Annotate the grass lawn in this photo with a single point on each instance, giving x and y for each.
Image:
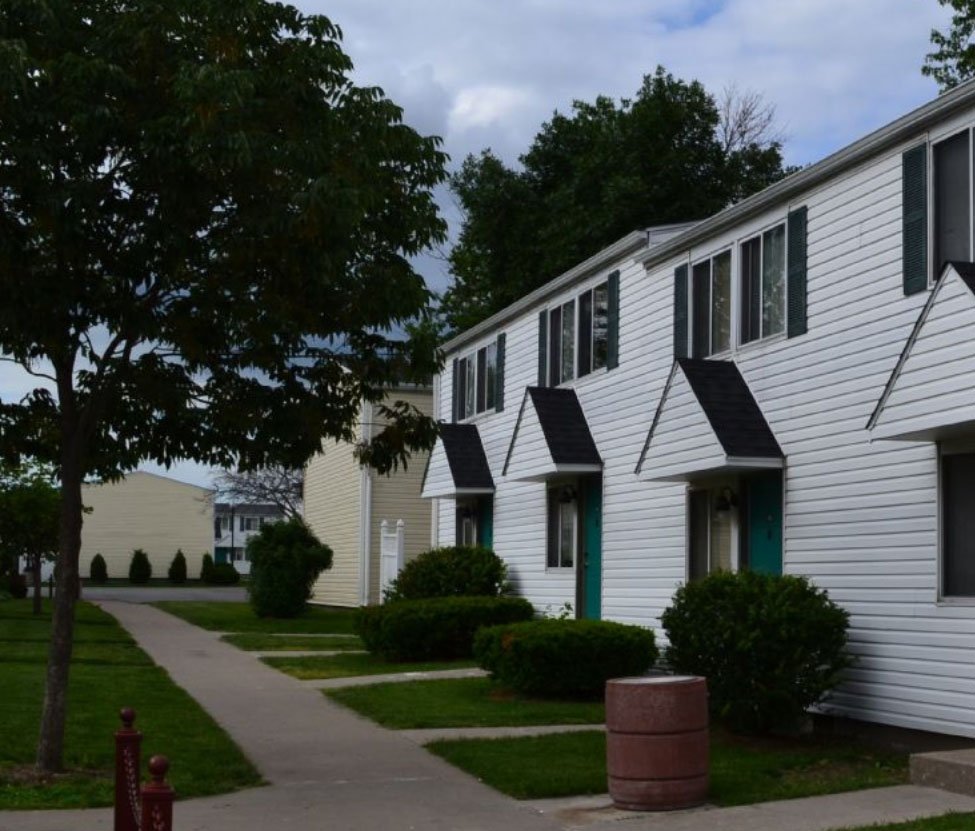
(345, 666)
(108, 672)
(947, 822)
(743, 770)
(461, 702)
(239, 617)
(260, 642)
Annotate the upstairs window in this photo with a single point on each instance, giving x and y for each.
(711, 305)
(479, 380)
(762, 271)
(593, 329)
(561, 347)
(952, 239)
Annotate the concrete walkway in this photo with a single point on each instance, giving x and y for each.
(330, 769)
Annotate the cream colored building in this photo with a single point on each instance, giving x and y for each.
(345, 505)
(147, 511)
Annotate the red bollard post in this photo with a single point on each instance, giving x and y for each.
(128, 743)
(157, 798)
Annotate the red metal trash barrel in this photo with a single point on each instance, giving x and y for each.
(657, 742)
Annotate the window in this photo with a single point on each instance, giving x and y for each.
(712, 532)
(952, 238)
(478, 379)
(563, 527)
(593, 329)
(711, 306)
(957, 524)
(224, 523)
(561, 348)
(762, 270)
(249, 523)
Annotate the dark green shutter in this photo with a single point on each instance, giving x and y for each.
(455, 393)
(796, 271)
(680, 311)
(915, 211)
(499, 375)
(613, 321)
(542, 346)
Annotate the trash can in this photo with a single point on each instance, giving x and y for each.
(657, 742)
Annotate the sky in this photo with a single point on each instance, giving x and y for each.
(485, 74)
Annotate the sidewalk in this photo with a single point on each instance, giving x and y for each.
(330, 769)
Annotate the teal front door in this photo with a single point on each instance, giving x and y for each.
(765, 522)
(592, 549)
(485, 522)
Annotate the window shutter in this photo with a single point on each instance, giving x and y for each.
(915, 218)
(499, 375)
(542, 346)
(613, 321)
(680, 311)
(796, 270)
(455, 393)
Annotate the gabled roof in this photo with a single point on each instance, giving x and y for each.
(707, 421)
(551, 437)
(457, 465)
(930, 393)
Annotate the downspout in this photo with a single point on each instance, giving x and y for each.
(365, 509)
(435, 503)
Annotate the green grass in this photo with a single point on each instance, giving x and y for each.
(348, 665)
(743, 771)
(460, 702)
(260, 642)
(108, 672)
(946, 822)
(239, 617)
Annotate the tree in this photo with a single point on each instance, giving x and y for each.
(593, 176)
(205, 235)
(29, 513)
(953, 59)
(278, 485)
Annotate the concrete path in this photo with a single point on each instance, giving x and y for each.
(152, 594)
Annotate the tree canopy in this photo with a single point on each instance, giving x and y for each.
(593, 176)
(205, 237)
(953, 58)
(277, 485)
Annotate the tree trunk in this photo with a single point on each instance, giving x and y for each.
(36, 571)
(50, 744)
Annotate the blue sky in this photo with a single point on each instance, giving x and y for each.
(487, 74)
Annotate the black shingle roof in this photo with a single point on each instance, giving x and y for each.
(966, 271)
(564, 426)
(465, 456)
(734, 414)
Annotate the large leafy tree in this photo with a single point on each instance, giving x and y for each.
(953, 58)
(276, 485)
(205, 232)
(591, 177)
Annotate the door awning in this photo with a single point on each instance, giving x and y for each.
(930, 394)
(551, 437)
(457, 465)
(707, 422)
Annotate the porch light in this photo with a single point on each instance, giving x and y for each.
(726, 501)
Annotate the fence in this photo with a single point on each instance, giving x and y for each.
(391, 549)
(139, 807)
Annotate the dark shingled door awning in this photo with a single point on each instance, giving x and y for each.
(457, 465)
(707, 422)
(551, 437)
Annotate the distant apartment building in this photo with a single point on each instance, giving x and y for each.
(234, 525)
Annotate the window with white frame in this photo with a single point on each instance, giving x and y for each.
(250, 523)
(561, 346)
(578, 332)
(712, 532)
(563, 527)
(762, 281)
(957, 523)
(711, 305)
(952, 200)
(477, 376)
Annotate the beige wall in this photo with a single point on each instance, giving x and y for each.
(154, 513)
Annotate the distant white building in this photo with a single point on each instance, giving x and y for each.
(234, 525)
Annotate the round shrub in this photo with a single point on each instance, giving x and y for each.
(286, 559)
(223, 574)
(770, 646)
(177, 568)
(140, 569)
(207, 569)
(16, 585)
(564, 658)
(456, 571)
(98, 571)
(438, 628)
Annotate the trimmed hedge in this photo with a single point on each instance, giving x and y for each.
(222, 574)
(98, 570)
(206, 569)
(438, 628)
(455, 571)
(177, 568)
(140, 569)
(286, 559)
(16, 585)
(564, 658)
(770, 646)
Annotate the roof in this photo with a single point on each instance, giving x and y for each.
(966, 271)
(564, 426)
(245, 509)
(731, 408)
(907, 127)
(465, 456)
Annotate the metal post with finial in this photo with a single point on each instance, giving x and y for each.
(157, 798)
(128, 748)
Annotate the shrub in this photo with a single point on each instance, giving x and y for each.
(438, 628)
(449, 572)
(207, 569)
(16, 585)
(177, 568)
(770, 646)
(140, 569)
(222, 574)
(98, 571)
(286, 559)
(564, 658)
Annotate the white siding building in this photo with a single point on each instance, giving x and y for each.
(787, 386)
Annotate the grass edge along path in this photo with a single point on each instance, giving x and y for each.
(108, 671)
(284, 642)
(353, 664)
(743, 771)
(944, 822)
(237, 616)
